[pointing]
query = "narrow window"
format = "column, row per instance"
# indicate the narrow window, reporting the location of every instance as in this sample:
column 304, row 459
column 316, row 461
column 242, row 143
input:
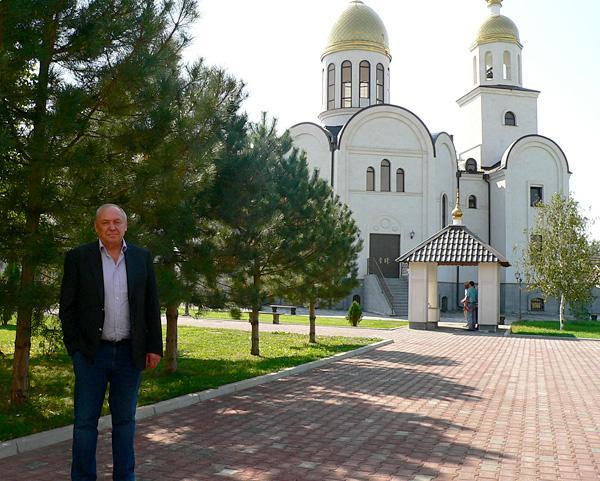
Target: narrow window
column 400, row 180
column 471, row 165
column 370, row 179
column 520, row 70
column 385, row 175
column 536, row 195
column 365, row 84
column 506, row 70
column 472, row 202
column 331, row 87
column 537, row 304
column 510, row 119
column 489, row 67
column 346, row 85
column 380, row 83
column 444, row 211
column 474, row 70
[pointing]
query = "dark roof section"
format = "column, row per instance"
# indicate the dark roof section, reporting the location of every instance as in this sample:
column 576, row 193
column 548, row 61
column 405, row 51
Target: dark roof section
column 388, row 105
column 334, row 130
column 454, row 245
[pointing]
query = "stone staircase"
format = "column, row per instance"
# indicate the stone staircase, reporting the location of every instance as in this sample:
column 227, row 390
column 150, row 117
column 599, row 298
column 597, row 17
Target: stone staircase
column 399, row 289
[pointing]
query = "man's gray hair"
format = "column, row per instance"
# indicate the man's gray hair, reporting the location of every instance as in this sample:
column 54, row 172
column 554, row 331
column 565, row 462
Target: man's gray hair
column 106, row 206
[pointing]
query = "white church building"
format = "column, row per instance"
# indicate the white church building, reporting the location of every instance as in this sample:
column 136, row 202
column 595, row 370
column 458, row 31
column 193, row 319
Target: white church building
column 400, row 179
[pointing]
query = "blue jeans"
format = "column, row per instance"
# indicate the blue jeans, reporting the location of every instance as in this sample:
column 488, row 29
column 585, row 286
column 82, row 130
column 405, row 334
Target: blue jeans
column 113, row 365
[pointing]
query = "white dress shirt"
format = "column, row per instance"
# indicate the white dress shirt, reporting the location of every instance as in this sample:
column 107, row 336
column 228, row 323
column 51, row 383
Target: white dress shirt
column 116, row 304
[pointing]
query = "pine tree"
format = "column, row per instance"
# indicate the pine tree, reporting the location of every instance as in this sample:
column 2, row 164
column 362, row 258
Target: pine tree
column 68, row 73
column 266, row 218
column 559, row 258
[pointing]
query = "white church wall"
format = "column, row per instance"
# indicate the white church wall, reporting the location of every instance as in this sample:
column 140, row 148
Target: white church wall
column 314, row 142
column 497, row 136
column 469, row 132
column 475, row 219
column 534, row 161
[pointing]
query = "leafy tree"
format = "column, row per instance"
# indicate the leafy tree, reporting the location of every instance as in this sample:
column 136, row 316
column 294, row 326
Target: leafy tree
column 266, row 219
column 559, row 257
column 68, row 73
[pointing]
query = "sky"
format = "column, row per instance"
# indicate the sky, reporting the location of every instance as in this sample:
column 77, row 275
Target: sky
column 275, row 47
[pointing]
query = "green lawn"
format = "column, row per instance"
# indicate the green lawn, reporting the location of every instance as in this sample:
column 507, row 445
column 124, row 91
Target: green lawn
column 303, row 320
column 574, row 329
column 208, row 358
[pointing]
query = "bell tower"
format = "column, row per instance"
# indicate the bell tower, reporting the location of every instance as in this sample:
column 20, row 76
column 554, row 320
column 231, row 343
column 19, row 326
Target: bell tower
column 498, row 110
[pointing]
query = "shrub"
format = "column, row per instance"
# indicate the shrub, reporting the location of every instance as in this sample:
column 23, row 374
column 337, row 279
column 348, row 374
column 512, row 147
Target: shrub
column 235, row 313
column 354, row 315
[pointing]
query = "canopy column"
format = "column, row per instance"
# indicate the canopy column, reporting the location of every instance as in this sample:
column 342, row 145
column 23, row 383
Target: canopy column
column 433, row 315
column 418, row 291
column 489, row 296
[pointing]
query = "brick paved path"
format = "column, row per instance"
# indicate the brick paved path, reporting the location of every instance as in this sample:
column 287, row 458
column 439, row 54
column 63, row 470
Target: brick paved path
column 431, row 406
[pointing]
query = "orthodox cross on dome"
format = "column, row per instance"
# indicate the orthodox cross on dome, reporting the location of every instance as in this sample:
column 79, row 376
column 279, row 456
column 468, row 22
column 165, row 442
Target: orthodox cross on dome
column 457, row 213
column 494, row 6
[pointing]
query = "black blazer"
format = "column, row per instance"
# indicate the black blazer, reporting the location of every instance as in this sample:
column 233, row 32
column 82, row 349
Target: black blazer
column 82, row 302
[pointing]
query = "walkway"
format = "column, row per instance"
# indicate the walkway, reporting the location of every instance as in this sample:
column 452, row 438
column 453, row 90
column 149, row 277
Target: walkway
column 432, row 406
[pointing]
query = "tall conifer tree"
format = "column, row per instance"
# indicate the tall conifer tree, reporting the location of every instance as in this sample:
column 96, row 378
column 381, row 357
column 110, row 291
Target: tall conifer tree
column 68, row 73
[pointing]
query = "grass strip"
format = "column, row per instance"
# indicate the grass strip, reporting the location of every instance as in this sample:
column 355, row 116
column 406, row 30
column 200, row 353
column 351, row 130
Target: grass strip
column 208, row 358
column 572, row 329
column 267, row 318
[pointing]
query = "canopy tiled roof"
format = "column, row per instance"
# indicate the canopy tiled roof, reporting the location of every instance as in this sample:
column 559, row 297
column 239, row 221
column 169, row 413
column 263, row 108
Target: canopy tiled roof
column 454, row 245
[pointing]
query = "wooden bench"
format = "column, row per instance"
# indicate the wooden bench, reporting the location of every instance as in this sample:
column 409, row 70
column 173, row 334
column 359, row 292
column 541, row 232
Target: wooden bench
column 292, row 309
column 274, row 314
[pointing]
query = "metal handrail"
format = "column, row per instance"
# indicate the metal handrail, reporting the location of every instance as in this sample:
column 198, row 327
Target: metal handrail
column 382, row 284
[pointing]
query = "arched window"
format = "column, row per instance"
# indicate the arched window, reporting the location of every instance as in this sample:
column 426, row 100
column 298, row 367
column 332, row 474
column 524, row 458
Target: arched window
column 371, row 179
column 380, row 84
column 506, row 70
column 365, row 84
column 346, row 84
column 331, row 87
column 444, row 211
column 472, row 202
column 474, row 70
column 471, row 165
column 489, row 66
column 385, row 175
column 400, row 180
column 510, row 119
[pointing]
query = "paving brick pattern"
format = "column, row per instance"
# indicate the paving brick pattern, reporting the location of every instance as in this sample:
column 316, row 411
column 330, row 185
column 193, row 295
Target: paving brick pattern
column 432, row 406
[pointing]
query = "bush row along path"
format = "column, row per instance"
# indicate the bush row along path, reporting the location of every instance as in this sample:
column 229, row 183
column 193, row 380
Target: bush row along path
column 445, row 405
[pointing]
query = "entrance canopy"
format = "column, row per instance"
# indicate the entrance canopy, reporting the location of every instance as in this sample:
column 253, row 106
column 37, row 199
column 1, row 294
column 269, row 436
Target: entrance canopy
column 454, row 245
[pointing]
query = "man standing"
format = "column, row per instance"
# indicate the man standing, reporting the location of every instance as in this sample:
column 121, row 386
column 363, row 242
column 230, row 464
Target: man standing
column 110, row 318
column 473, row 305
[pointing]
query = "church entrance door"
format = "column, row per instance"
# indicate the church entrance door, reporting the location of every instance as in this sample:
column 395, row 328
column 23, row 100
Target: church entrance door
column 384, row 249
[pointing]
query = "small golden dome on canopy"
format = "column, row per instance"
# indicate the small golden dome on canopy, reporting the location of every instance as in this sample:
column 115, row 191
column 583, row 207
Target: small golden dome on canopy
column 498, row 28
column 457, row 213
column 358, row 28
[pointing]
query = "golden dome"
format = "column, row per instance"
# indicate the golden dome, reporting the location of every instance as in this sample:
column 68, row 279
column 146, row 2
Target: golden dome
column 457, row 213
column 358, row 28
column 498, row 28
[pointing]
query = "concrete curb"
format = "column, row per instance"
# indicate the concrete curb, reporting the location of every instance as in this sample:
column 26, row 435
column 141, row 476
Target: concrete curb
column 53, row 436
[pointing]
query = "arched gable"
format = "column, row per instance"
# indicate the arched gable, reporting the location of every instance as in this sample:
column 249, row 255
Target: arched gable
column 540, row 141
column 394, row 118
column 317, row 143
